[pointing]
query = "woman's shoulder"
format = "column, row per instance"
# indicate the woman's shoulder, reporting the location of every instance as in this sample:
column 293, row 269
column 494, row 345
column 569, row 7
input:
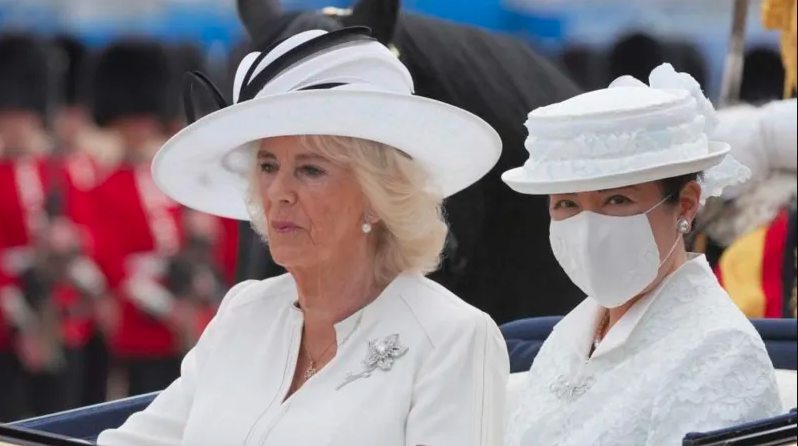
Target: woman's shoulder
column 243, row 294
column 700, row 308
column 722, row 334
column 439, row 312
column 720, row 317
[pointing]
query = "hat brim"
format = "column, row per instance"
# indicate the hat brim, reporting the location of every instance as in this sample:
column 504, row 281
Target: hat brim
column 518, row 179
column 205, row 165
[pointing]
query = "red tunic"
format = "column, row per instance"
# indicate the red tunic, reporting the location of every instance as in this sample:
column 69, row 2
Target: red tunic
column 22, row 199
column 227, row 249
column 137, row 228
column 752, row 269
column 78, row 175
column 5, row 339
column 76, row 321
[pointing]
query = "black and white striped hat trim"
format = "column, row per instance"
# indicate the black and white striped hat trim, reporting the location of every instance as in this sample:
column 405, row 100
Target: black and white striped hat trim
column 254, row 83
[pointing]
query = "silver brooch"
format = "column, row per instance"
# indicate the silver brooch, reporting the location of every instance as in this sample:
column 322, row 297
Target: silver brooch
column 381, row 355
column 566, row 390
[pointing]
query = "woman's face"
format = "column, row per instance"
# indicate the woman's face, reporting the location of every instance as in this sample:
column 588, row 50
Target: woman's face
column 634, row 200
column 314, row 208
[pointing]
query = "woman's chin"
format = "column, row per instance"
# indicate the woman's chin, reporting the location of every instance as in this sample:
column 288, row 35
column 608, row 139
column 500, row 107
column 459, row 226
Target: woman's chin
column 289, row 257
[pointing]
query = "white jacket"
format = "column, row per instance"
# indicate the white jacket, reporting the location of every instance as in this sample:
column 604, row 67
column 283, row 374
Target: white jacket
column 449, row 389
column 684, row 359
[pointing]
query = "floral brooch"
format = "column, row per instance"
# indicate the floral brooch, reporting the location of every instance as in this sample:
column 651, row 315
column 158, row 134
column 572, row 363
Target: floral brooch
column 382, row 354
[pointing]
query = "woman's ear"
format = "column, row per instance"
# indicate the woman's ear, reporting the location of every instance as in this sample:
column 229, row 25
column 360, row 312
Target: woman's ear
column 379, row 15
column 371, row 217
column 690, row 201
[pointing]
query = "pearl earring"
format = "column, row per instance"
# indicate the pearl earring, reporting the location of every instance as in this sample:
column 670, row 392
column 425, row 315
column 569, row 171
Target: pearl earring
column 366, row 228
column 683, row 226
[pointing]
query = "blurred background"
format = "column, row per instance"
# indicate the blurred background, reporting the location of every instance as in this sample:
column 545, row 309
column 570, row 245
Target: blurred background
column 81, row 220
column 553, row 26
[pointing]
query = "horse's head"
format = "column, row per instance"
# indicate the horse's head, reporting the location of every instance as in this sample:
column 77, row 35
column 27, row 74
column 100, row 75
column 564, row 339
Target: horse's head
column 266, row 22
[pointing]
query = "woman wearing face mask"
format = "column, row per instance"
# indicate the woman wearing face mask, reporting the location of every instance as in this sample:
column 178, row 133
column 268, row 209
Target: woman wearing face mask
column 658, row 349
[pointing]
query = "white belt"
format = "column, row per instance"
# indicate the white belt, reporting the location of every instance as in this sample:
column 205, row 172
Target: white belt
column 145, row 265
column 14, row 261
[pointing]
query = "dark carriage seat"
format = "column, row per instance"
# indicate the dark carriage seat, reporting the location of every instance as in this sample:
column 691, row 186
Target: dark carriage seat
column 781, row 430
column 525, row 337
column 86, row 423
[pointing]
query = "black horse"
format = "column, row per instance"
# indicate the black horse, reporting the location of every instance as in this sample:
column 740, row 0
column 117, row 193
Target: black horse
column 498, row 256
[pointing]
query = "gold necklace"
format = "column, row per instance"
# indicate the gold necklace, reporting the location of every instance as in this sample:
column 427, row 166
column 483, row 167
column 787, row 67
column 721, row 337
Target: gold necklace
column 312, row 370
column 605, row 321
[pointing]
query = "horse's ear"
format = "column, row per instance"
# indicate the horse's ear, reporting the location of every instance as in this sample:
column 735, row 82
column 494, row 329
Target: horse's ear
column 254, row 14
column 379, row 15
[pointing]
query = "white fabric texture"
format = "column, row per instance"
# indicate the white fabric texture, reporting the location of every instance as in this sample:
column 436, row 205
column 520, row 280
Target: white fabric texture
column 763, row 138
column 449, row 389
column 516, row 387
column 628, row 133
column 612, row 273
column 787, row 380
column 788, row 388
column 682, row 359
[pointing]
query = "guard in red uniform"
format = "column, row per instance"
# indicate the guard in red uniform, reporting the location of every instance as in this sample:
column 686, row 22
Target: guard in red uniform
column 137, row 225
column 78, row 174
column 225, row 247
column 62, row 284
column 194, row 275
column 24, row 98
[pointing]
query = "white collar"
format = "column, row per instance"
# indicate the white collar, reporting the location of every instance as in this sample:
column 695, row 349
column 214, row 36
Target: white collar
column 370, row 312
column 579, row 334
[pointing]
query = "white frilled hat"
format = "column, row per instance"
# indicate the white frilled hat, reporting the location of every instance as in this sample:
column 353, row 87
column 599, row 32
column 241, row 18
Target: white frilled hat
column 341, row 83
column 630, row 133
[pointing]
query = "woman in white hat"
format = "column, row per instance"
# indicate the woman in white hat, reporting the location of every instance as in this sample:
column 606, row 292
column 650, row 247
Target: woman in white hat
column 342, row 169
column 658, row 349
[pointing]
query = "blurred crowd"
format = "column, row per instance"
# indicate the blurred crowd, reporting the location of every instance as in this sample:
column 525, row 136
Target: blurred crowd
column 100, row 271
column 637, row 53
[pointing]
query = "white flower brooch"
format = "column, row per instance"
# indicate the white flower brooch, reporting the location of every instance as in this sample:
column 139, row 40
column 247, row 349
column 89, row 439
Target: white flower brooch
column 382, row 353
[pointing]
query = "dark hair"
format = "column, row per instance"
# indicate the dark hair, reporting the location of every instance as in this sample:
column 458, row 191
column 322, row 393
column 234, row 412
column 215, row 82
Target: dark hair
column 672, row 187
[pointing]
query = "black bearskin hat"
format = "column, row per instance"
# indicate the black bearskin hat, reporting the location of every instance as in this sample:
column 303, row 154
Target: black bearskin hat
column 71, row 56
column 763, row 76
column 24, row 74
column 131, row 78
column 635, row 55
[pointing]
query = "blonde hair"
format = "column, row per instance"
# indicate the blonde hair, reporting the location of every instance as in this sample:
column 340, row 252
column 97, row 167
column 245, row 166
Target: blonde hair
column 411, row 230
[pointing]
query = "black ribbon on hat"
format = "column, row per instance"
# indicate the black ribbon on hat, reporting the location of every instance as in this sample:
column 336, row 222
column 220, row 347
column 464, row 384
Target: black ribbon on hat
column 253, row 84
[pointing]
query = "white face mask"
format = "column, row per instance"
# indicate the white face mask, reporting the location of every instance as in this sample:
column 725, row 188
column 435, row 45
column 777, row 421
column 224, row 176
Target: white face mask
column 612, row 259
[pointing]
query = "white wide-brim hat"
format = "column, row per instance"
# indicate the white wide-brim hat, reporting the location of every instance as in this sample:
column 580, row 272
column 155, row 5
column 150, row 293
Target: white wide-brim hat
column 341, row 83
column 624, row 135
